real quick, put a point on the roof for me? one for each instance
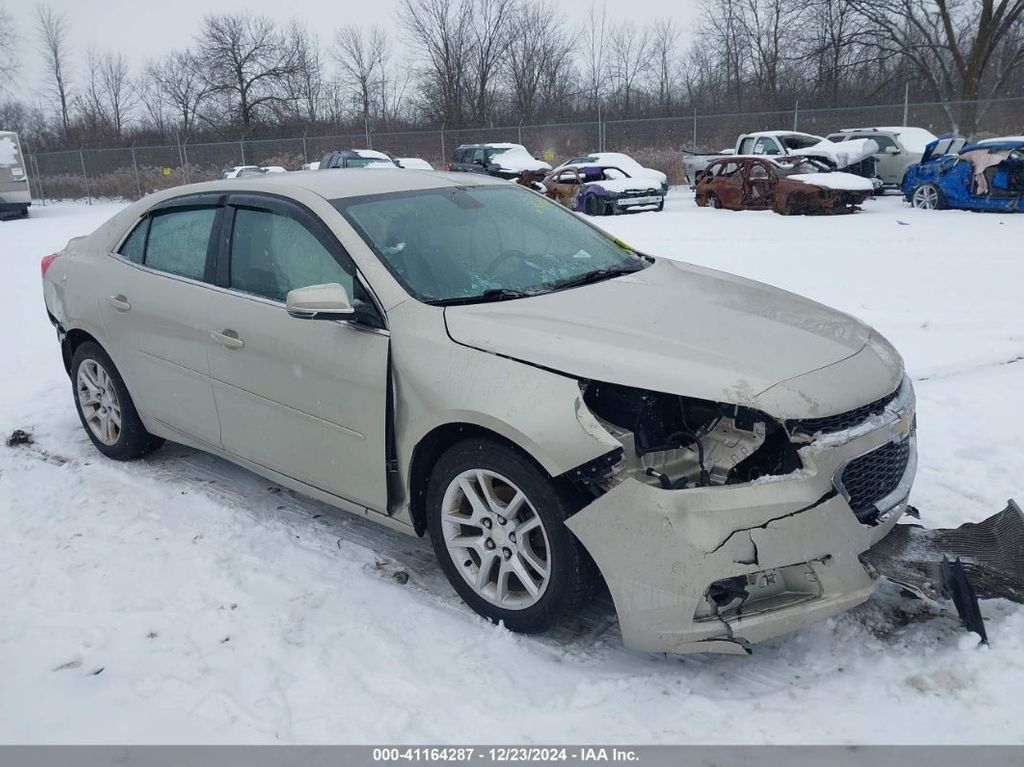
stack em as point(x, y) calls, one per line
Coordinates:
point(1008, 144)
point(343, 182)
point(492, 145)
point(780, 133)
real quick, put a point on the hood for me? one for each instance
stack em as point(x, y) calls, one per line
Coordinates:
point(641, 184)
point(691, 331)
point(845, 182)
point(842, 154)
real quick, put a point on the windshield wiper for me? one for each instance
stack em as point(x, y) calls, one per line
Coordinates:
point(597, 275)
point(488, 296)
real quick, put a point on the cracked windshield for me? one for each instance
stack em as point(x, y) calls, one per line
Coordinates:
point(451, 246)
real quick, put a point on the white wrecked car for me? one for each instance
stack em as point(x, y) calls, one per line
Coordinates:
point(469, 359)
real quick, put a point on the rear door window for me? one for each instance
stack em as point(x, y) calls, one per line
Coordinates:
point(179, 241)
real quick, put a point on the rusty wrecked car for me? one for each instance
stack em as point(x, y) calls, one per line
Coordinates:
point(787, 185)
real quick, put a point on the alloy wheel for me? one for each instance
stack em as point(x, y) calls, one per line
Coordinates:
point(98, 400)
point(926, 197)
point(496, 539)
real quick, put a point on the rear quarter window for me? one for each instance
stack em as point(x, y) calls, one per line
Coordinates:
point(134, 246)
point(178, 241)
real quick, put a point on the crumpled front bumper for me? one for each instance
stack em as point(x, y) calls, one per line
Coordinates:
point(793, 539)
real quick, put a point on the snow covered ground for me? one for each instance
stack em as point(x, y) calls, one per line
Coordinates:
point(181, 599)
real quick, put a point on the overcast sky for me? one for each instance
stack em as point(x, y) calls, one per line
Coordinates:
point(144, 29)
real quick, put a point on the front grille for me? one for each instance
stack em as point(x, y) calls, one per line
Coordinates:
point(840, 421)
point(873, 476)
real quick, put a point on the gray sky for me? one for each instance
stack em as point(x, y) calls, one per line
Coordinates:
point(144, 29)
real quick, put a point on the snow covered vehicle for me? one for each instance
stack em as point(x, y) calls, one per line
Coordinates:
point(787, 185)
point(985, 176)
point(605, 184)
point(853, 156)
point(507, 161)
point(15, 197)
point(898, 148)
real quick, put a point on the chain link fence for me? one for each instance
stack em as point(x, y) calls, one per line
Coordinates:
point(130, 172)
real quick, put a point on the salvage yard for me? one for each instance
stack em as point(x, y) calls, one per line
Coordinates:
point(181, 599)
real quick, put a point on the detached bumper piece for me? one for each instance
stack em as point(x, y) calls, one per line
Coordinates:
point(983, 559)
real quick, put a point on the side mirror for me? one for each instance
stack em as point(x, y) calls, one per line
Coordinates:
point(320, 302)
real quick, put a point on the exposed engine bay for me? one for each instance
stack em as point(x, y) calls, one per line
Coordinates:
point(676, 442)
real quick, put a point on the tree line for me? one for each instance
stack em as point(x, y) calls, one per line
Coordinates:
point(470, 63)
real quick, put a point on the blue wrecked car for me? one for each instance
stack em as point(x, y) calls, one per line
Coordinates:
point(987, 175)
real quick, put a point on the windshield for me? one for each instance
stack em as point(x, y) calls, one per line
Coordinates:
point(798, 142)
point(466, 245)
point(800, 167)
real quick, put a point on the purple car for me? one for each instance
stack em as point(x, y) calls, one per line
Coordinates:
point(600, 189)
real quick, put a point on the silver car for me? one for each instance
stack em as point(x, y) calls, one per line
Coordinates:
point(457, 355)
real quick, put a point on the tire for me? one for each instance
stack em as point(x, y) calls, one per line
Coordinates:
point(592, 206)
point(102, 399)
point(928, 197)
point(496, 474)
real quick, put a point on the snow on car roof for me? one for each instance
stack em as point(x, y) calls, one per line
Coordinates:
point(371, 154)
point(780, 133)
point(913, 139)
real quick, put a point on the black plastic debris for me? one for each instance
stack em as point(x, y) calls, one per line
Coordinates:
point(19, 437)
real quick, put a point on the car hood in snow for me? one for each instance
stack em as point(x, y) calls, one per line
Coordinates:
point(836, 180)
point(692, 331)
point(639, 184)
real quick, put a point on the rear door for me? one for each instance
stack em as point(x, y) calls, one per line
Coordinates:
point(305, 398)
point(154, 298)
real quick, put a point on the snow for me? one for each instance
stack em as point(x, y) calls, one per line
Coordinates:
point(181, 599)
point(414, 163)
point(836, 180)
point(842, 154)
point(8, 150)
point(515, 157)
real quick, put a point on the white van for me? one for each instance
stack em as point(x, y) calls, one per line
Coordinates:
point(14, 192)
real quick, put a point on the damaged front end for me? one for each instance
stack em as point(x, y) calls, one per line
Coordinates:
point(719, 526)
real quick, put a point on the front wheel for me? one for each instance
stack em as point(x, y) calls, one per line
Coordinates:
point(927, 197)
point(105, 408)
point(497, 524)
point(592, 206)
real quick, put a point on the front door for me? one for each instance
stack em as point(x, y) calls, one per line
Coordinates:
point(758, 186)
point(305, 398)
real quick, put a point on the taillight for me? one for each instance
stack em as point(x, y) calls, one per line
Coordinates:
point(44, 265)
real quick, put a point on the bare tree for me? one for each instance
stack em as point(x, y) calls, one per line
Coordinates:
point(52, 32)
point(540, 52)
point(361, 53)
point(247, 60)
point(631, 58)
point(491, 33)
point(111, 95)
point(957, 46)
point(9, 64)
point(664, 61)
point(438, 31)
point(182, 86)
point(306, 82)
point(595, 40)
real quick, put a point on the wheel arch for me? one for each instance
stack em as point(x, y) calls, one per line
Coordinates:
point(433, 445)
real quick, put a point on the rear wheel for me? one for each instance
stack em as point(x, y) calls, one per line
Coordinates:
point(105, 408)
point(928, 197)
point(496, 522)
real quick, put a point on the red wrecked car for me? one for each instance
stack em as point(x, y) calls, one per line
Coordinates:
point(787, 185)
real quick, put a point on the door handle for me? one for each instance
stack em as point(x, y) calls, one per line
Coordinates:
point(120, 303)
point(228, 338)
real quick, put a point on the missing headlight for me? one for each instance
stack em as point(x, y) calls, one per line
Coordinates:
point(677, 442)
